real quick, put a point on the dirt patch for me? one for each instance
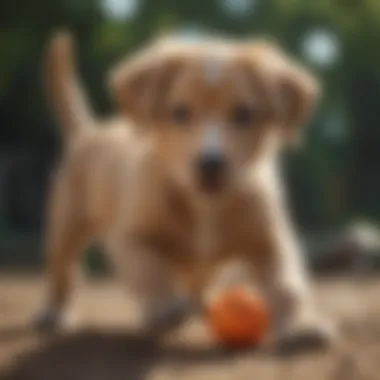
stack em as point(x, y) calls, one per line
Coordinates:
point(102, 347)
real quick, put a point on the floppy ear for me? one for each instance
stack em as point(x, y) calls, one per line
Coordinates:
point(296, 90)
point(298, 95)
point(138, 85)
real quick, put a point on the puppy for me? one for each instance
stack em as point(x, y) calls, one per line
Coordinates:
point(185, 177)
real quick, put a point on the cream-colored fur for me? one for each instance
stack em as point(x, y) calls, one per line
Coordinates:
point(131, 181)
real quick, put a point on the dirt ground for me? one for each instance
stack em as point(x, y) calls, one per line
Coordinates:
point(100, 346)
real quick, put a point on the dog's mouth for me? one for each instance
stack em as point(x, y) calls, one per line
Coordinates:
point(211, 185)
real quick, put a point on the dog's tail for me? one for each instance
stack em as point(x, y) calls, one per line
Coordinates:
point(65, 94)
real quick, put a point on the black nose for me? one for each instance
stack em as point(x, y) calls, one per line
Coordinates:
point(212, 164)
point(211, 169)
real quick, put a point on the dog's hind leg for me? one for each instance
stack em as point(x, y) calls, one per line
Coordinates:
point(68, 234)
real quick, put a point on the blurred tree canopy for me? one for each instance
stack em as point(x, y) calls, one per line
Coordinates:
point(334, 176)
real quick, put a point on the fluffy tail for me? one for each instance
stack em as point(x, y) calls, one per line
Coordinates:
point(64, 90)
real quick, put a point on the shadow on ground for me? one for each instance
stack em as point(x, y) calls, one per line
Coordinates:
point(100, 355)
point(119, 355)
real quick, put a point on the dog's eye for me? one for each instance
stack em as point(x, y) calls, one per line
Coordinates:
point(242, 115)
point(180, 114)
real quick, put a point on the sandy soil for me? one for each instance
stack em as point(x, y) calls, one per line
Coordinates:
point(100, 346)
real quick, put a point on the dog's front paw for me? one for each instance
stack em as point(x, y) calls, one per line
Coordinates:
point(307, 337)
point(48, 320)
point(167, 316)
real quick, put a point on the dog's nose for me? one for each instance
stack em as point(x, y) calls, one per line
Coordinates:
point(212, 164)
point(211, 168)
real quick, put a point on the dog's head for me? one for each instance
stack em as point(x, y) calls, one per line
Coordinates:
point(214, 109)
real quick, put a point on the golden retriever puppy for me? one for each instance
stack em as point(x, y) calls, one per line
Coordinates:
point(184, 178)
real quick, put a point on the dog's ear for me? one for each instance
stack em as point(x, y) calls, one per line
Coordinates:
point(298, 95)
point(294, 89)
point(139, 84)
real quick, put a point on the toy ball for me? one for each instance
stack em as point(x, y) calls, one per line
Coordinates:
point(238, 318)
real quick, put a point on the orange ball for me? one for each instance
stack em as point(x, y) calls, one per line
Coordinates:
point(238, 318)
